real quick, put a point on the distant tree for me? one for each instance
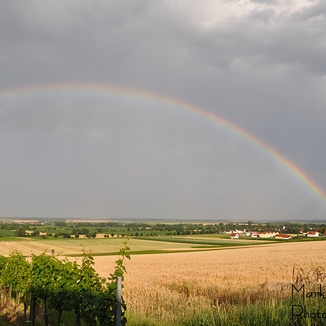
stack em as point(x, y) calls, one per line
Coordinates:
point(60, 223)
point(84, 231)
point(5, 226)
point(322, 229)
point(76, 231)
point(20, 232)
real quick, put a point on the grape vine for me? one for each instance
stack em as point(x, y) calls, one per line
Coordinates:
point(45, 283)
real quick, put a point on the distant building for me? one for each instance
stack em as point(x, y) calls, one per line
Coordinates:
point(312, 234)
point(267, 234)
point(254, 234)
point(283, 236)
point(234, 235)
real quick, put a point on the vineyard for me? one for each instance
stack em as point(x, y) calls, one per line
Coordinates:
point(46, 286)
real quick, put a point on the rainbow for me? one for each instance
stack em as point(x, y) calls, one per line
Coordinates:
point(141, 94)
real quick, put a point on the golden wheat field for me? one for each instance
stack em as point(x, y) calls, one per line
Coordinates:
point(157, 285)
point(166, 285)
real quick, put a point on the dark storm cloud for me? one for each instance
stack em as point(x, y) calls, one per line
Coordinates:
point(259, 64)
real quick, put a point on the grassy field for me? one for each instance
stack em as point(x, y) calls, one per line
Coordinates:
point(108, 246)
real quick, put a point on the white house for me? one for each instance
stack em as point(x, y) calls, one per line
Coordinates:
point(312, 234)
point(254, 234)
point(267, 234)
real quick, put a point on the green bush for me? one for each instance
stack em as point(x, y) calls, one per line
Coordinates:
point(58, 286)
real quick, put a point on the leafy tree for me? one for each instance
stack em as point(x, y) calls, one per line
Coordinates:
point(20, 232)
point(84, 231)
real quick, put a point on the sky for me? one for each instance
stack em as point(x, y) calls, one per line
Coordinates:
point(204, 110)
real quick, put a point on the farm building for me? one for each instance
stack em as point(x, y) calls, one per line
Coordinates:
point(283, 236)
point(312, 234)
point(234, 235)
point(267, 234)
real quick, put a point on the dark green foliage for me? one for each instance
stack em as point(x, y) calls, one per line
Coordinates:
point(20, 232)
point(57, 285)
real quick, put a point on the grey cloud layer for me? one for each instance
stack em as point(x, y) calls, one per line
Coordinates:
point(259, 64)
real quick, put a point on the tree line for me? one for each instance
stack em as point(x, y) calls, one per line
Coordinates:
point(90, 230)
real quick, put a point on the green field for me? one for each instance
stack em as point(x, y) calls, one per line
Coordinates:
point(111, 246)
point(143, 239)
point(6, 233)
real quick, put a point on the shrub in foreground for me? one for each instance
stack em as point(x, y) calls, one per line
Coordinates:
point(47, 284)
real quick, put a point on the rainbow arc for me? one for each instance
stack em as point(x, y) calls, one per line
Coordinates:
point(141, 94)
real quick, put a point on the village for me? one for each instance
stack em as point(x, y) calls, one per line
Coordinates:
point(111, 229)
point(276, 235)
